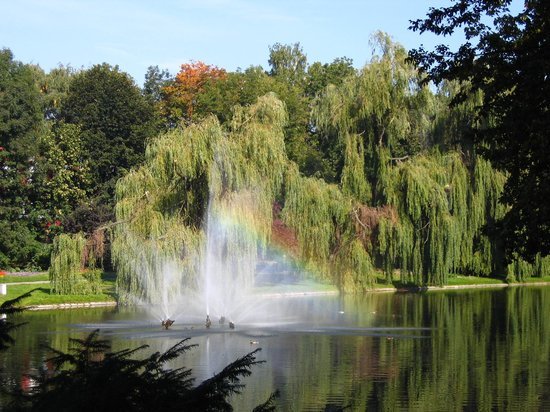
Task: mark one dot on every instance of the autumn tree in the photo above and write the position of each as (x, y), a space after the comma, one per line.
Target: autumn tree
(180, 96)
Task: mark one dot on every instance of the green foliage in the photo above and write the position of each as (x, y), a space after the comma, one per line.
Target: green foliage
(321, 216)
(321, 75)
(89, 377)
(315, 210)
(505, 57)
(21, 215)
(115, 120)
(519, 269)
(161, 205)
(66, 263)
(445, 213)
(155, 80)
(446, 204)
(354, 182)
(54, 87)
(65, 173)
(384, 105)
(20, 104)
(20, 249)
(68, 273)
(354, 267)
(288, 62)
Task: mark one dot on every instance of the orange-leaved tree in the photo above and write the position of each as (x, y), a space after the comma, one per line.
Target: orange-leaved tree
(180, 96)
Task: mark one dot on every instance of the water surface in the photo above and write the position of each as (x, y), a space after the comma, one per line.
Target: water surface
(470, 349)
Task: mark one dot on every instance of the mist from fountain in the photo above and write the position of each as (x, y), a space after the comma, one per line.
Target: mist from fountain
(230, 258)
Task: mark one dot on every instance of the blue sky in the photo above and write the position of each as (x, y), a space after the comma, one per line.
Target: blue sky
(136, 34)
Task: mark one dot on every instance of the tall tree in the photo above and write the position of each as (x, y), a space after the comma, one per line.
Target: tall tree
(20, 105)
(62, 170)
(155, 80)
(20, 128)
(115, 120)
(288, 62)
(321, 75)
(382, 107)
(507, 58)
(54, 87)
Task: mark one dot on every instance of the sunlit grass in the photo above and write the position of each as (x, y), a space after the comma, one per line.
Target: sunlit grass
(537, 279)
(41, 294)
(473, 280)
(31, 278)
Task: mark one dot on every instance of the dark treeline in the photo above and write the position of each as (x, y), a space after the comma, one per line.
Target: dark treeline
(402, 155)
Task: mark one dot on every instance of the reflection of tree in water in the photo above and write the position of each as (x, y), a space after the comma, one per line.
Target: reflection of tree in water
(486, 350)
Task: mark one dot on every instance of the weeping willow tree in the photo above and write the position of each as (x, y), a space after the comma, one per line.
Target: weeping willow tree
(72, 266)
(446, 204)
(161, 206)
(410, 199)
(444, 210)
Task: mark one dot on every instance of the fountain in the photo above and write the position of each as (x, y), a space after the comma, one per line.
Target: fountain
(167, 323)
(195, 219)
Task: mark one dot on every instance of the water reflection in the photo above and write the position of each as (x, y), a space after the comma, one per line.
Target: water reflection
(457, 350)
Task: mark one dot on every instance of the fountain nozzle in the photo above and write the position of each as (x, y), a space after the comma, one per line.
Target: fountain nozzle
(167, 323)
(208, 322)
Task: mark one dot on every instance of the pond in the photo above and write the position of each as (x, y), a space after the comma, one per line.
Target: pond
(453, 350)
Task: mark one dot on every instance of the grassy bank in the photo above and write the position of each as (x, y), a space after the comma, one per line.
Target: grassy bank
(42, 293)
(457, 281)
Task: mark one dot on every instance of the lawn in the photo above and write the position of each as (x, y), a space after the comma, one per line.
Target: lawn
(41, 293)
(538, 279)
(473, 280)
(31, 278)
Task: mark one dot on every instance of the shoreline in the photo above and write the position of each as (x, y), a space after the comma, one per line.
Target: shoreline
(412, 289)
(416, 289)
(79, 305)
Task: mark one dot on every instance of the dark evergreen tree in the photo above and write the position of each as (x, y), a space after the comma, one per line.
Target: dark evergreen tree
(91, 378)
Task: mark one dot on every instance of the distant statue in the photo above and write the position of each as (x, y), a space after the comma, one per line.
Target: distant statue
(167, 323)
(208, 322)
(222, 320)
(231, 325)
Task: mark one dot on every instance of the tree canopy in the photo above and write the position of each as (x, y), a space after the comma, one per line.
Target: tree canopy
(115, 120)
(365, 170)
(507, 58)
